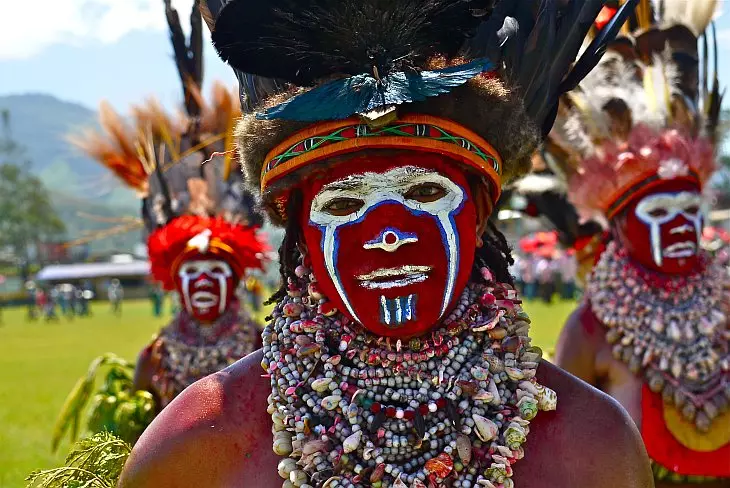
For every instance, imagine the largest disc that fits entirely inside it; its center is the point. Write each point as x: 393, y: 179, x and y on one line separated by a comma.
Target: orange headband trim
x: 641, y: 186
x: 416, y: 132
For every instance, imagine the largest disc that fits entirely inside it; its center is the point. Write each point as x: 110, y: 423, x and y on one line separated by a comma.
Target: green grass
x: 40, y: 362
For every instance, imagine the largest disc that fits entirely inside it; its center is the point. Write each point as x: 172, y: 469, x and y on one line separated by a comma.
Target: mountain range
x: 79, y: 186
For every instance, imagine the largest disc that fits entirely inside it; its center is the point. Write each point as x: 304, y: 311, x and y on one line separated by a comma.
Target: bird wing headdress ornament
x: 476, y: 80
x: 648, y: 112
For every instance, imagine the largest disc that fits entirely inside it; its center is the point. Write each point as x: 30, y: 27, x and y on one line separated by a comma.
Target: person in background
x: 32, y: 291
x: 545, y: 278
x: 568, y: 269
x: 528, y: 266
x: 157, y: 296
x: 116, y: 295
x: 86, y: 296
x: 47, y: 301
x: 65, y: 300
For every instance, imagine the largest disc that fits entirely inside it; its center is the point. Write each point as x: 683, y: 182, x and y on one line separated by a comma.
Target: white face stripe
x: 215, y: 268
x: 389, y: 186
x: 673, y: 204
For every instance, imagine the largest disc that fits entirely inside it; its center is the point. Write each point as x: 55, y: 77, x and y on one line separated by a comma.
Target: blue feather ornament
x: 339, y: 99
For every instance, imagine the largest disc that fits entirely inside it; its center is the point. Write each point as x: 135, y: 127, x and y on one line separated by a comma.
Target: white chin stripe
x: 395, y: 312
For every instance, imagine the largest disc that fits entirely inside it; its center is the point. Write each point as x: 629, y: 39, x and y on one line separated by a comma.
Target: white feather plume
x: 695, y: 14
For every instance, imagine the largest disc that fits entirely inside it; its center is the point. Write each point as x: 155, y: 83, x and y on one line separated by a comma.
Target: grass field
x: 40, y: 362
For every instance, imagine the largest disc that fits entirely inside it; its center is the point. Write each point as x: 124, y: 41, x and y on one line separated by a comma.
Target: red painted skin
x: 354, y: 260
x: 217, y: 433
x: 635, y: 236
x: 211, y: 314
x: 582, y: 348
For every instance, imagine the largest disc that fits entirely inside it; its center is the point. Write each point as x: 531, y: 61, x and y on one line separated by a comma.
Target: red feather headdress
x: 191, y: 236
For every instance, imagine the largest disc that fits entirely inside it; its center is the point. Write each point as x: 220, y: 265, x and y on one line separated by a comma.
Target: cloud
x: 28, y: 27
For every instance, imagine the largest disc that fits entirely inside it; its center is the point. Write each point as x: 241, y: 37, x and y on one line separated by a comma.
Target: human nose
x: 390, y: 240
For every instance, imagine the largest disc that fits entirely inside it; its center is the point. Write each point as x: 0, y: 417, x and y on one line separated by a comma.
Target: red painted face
x: 392, y: 247
x: 206, y: 287
x: 661, y: 230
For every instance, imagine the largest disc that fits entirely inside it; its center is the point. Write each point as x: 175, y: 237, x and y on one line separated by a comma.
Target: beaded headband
x: 415, y: 132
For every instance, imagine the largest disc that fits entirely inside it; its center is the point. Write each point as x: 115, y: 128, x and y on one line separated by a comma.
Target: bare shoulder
x: 589, y: 441
x: 583, y: 325
x: 209, y: 435
x: 579, y: 342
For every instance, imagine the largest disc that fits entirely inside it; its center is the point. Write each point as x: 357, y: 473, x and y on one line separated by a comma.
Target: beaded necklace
x: 450, y: 409
x: 670, y: 329
x: 188, y: 351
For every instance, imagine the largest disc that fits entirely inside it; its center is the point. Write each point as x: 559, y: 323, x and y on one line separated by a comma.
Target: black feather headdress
x: 496, y: 67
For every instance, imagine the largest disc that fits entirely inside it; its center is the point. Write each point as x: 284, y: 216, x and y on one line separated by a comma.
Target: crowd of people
x: 544, y: 276
x: 50, y: 303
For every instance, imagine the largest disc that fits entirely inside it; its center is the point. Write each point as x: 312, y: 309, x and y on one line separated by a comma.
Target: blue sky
x: 89, y: 50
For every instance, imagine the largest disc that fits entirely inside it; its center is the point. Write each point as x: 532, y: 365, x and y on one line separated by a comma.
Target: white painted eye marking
x: 374, y: 189
x: 192, y: 270
x: 666, y: 207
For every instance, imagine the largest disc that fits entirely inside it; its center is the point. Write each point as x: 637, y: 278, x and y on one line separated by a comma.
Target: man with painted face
x: 200, y: 243
x: 397, y: 354
x: 203, y: 260
x: 652, y: 331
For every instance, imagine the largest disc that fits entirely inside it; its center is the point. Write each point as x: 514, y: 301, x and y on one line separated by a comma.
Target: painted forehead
x: 670, y: 199
x: 402, y: 175
x: 354, y: 169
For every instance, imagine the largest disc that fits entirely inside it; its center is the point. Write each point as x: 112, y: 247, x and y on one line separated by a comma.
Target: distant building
x: 132, y: 274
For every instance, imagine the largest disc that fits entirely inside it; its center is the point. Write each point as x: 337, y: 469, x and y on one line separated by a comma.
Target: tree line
x: 27, y: 217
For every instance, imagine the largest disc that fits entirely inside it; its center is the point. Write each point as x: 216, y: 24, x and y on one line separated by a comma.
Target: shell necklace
x: 188, y: 351
x: 450, y: 409
x: 671, y: 329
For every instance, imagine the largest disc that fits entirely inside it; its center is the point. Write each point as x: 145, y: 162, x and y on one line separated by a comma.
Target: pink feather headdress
x: 619, y: 172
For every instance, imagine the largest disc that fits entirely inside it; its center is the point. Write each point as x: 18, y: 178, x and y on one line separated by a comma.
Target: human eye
x: 426, y: 192
x: 343, y: 206
x: 188, y: 269
x: 658, y: 213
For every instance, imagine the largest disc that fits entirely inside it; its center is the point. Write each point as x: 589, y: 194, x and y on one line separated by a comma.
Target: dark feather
x: 536, y: 47
x: 305, y: 40
x: 254, y: 89
x: 713, y: 101
x: 188, y: 55
x: 538, y: 53
x: 574, y: 22
x: 196, y: 44
x: 597, y: 48
x: 363, y: 93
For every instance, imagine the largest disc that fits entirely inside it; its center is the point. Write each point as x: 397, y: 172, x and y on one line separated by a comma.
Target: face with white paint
x: 206, y: 288
x: 392, y: 246
x: 662, y: 229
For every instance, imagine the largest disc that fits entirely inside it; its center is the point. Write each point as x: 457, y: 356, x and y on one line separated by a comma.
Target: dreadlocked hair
x: 495, y: 254
x: 289, y: 255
